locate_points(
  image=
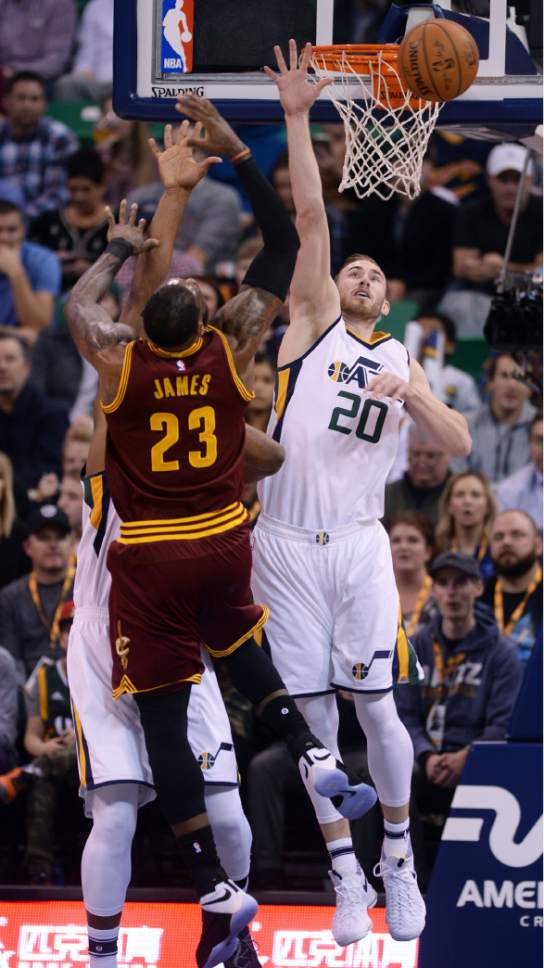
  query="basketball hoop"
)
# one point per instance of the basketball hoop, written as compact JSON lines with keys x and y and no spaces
{"x":387,"y":127}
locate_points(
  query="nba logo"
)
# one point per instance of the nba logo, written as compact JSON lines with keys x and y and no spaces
{"x":177,"y":36}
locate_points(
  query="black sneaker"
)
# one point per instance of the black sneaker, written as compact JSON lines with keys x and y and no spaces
{"x":225,"y":914}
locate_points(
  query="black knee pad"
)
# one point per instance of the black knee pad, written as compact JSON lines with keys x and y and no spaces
{"x":176,"y":774}
{"x":251,"y":672}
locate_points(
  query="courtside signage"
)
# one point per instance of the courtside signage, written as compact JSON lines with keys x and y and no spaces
{"x":52,"y":934}
{"x":487,"y":880}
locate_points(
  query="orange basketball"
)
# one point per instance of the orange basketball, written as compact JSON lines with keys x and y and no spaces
{"x":438,"y":60}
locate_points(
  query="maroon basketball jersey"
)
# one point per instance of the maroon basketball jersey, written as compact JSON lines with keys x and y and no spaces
{"x":176,"y":435}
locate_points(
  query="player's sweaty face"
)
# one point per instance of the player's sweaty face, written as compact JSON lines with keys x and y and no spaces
{"x":362,"y":288}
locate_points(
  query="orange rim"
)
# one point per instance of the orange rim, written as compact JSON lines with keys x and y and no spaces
{"x":379,"y":61}
{"x":358,"y":56}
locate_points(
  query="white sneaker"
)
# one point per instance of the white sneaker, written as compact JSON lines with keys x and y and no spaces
{"x":225,"y":914}
{"x":354,"y":895}
{"x":405,"y":907}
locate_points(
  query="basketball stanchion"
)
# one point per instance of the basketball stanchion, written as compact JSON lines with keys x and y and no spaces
{"x":387,"y":127}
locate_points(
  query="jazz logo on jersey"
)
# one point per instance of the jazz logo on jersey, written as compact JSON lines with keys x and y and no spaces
{"x":206,"y":761}
{"x":360,"y":372}
{"x":177,"y":36}
{"x":360,"y":671}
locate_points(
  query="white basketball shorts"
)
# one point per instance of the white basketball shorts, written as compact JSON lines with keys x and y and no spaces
{"x":110,"y":741}
{"x":333,"y":603}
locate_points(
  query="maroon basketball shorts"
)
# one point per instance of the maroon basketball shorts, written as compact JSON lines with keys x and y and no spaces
{"x":168,"y":598}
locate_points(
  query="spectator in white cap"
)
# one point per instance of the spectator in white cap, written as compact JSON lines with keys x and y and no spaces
{"x":481,"y":235}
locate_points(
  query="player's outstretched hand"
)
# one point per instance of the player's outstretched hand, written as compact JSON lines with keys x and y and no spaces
{"x":389,"y":385}
{"x":127,"y":227}
{"x":297,"y":91}
{"x":178,"y":167}
{"x":219,"y":137}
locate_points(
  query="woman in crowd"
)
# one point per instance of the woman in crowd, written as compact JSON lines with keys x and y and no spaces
{"x":13,"y":561}
{"x":411,"y":539}
{"x":260,"y":408}
{"x":467,"y":509}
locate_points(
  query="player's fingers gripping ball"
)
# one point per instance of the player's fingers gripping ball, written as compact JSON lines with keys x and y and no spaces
{"x":438,"y":60}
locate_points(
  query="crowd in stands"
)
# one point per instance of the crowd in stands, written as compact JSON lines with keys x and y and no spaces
{"x":465,"y":536}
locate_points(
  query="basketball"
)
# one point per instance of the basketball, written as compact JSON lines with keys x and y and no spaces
{"x":438,"y":60}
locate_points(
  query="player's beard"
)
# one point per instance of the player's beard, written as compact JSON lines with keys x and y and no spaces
{"x":367,"y":311}
{"x":515,"y":568}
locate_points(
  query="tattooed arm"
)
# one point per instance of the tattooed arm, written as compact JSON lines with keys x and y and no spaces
{"x":100,"y":340}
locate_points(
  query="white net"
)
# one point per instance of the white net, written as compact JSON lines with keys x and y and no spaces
{"x":387,"y":128}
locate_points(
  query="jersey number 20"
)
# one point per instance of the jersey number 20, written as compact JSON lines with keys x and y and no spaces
{"x":373,"y":412}
{"x":201,"y":419}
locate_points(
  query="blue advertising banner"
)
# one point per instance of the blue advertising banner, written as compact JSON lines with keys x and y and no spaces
{"x":484,"y":904}
{"x":177,"y":36}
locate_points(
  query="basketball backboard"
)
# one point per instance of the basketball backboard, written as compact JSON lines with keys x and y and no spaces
{"x":217,"y":48}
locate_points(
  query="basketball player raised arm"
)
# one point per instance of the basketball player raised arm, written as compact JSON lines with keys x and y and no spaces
{"x":245,"y":318}
{"x":317,"y":300}
{"x":100,"y":340}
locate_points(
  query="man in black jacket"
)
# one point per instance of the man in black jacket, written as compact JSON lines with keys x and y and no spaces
{"x":472,"y":677}
{"x":32,"y":428}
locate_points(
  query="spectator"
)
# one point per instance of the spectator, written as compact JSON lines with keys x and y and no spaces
{"x":500,"y":429}
{"x":523,"y":489}
{"x":50,"y":739}
{"x":515,"y":594}
{"x":124,"y":148}
{"x":29,"y":276}
{"x":13,"y":561}
{"x":58,"y":369}
{"x":92,"y":74}
{"x":36,"y":35}
{"x":481,"y":235}
{"x":9,"y":714}
{"x":75,"y":450}
{"x":411,"y":537}
{"x":260,"y":408}
{"x":210,"y":229}
{"x":78,"y":232}
{"x":31,"y":428}
{"x":467,"y":510}
{"x":411,"y":239}
{"x":33,"y":148}
{"x":213,"y":297}
{"x":453,"y":386}
{"x":30,"y":606}
{"x":71,"y":502}
{"x":421,"y":486}
{"x":472,"y":676}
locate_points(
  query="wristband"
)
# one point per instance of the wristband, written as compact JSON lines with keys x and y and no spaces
{"x":242,"y":155}
{"x":120,"y":248}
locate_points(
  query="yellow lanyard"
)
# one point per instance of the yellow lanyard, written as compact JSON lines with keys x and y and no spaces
{"x":53,"y":629}
{"x":498,"y":603}
{"x":418,"y":607}
{"x":443,"y":672}
{"x":482,"y":547}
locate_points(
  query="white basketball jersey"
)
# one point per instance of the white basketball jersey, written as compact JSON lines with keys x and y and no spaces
{"x":340,"y":443}
{"x":100,"y":527}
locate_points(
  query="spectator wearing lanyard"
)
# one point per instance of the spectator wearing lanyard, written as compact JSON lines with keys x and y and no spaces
{"x":515,"y":594}
{"x":467,"y":509}
{"x":411,"y":538}
{"x":50,"y":738}
{"x":523,"y":490}
{"x":472,"y":676}
{"x":31,"y":605}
